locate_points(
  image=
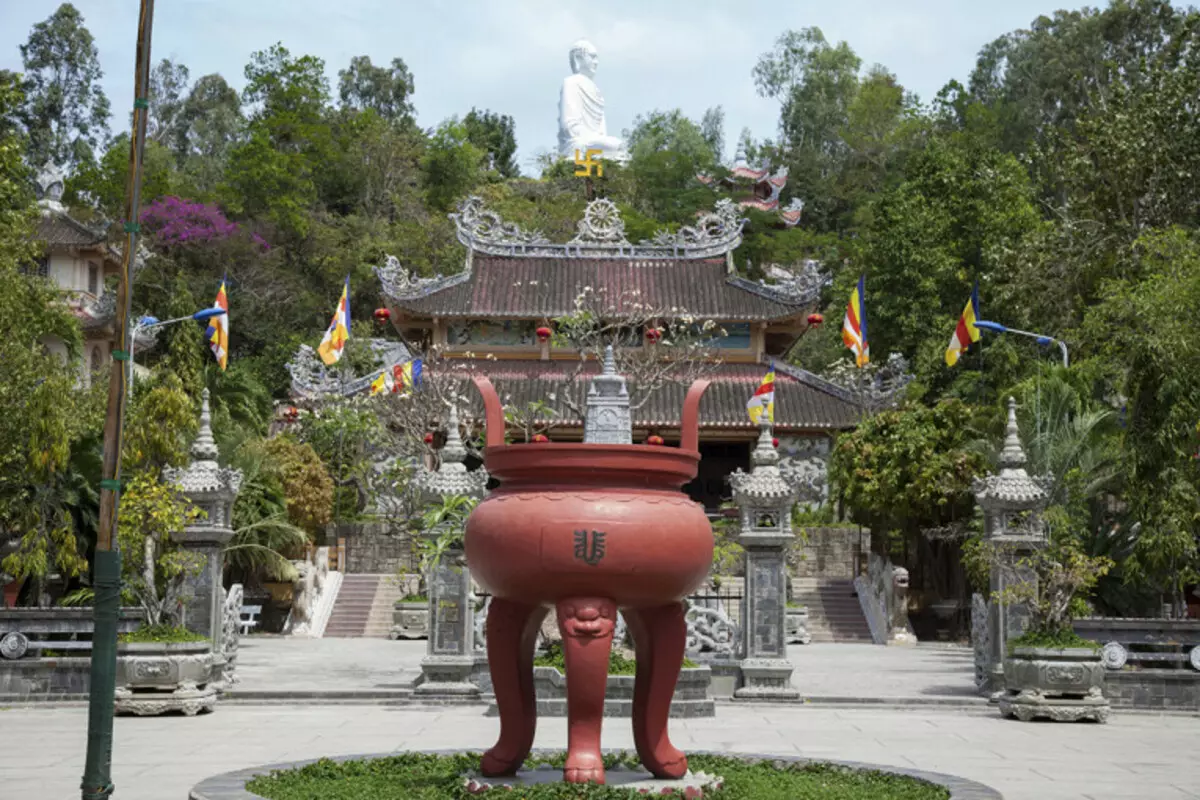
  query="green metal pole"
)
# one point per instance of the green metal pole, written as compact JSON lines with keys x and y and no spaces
{"x":97,"y":771}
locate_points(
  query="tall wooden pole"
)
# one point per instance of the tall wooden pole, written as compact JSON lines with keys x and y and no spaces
{"x":106,"y":579}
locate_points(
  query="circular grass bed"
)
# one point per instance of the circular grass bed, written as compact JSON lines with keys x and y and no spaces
{"x":423,"y":776}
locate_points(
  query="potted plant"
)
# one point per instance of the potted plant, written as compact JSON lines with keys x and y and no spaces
{"x":1050,"y":671}
{"x":440,"y":532}
{"x":161,"y":666}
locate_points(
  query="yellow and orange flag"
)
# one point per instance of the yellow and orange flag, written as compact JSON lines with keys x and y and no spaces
{"x":763,"y":400}
{"x":217,"y":333}
{"x":965,"y":332}
{"x":334,"y":343}
{"x":854,"y":326}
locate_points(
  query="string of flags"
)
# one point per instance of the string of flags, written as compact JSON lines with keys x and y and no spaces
{"x":401,"y":378}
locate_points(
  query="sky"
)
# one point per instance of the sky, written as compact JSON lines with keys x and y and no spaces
{"x":511,"y":57}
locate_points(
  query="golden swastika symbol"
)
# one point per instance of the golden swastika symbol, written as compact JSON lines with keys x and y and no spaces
{"x":583,"y":166}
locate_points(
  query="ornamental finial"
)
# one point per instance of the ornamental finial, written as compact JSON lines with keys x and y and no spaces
{"x":205,"y":447}
{"x":765,"y":454}
{"x":1013,"y":455}
{"x":454,"y":452}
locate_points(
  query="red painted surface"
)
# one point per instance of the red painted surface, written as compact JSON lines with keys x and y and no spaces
{"x":587,"y":529}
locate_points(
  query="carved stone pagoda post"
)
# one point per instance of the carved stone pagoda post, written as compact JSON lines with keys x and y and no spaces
{"x":1012,"y":503}
{"x":212,"y":489}
{"x":765,"y":499}
{"x":450,"y":650}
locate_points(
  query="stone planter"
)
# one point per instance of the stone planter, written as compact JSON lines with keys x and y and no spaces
{"x":410,"y":620}
{"x":1064,"y":685}
{"x":691,"y":698}
{"x":796,"y":625}
{"x":154,"y":678}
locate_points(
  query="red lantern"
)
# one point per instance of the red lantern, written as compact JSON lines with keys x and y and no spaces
{"x":292,"y":412}
{"x":540,"y":437}
{"x":382,"y":315}
{"x":543,"y":334}
{"x":429,"y":439}
{"x":657,"y":440}
{"x":815,"y":320}
{"x":775,"y":443}
{"x":653,"y":335}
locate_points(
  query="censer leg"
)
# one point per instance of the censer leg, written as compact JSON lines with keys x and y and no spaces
{"x":659,"y":637}
{"x":512,"y":630}
{"x":587,"y":625}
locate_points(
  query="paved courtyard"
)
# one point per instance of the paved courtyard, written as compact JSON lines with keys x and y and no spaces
{"x":1134,"y":756}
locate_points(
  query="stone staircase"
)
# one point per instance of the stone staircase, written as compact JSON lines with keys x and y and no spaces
{"x":834,"y":612}
{"x":358,"y":611}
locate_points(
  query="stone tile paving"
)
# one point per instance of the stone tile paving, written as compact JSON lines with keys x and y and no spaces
{"x":1134,"y":756}
{"x":863,"y":671}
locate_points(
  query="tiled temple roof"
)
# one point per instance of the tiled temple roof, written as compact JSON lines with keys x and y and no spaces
{"x":57,"y":229}
{"x":803,"y":401}
{"x":500,"y":286}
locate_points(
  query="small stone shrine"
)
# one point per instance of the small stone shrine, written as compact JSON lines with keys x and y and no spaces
{"x":607,"y":420}
{"x":450,"y":650}
{"x":213,"y":489}
{"x":765,"y":498}
{"x":1012,"y":504}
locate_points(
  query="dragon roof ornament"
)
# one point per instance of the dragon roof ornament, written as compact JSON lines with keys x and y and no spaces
{"x":601,"y":234}
{"x":400,"y":282}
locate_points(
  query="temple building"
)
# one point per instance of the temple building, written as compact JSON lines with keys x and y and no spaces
{"x":756,"y":187}
{"x":78,"y":258}
{"x":496,"y":314}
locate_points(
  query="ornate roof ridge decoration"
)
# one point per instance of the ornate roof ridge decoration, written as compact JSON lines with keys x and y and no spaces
{"x":800,"y":288}
{"x":1012,"y":487}
{"x":601,"y":234}
{"x":204,"y":477}
{"x":452,"y":477}
{"x":399,"y":282}
{"x":873,"y":386}
{"x":311,"y":379}
{"x":818,"y":382}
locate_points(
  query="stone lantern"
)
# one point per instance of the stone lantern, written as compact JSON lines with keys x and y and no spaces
{"x":212,"y":489}
{"x":765,"y":498}
{"x":450,"y":649}
{"x":1012,"y":504}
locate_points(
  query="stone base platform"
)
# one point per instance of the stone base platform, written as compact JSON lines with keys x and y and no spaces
{"x":619,"y":777}
{"x":691,"y":699}
{"x":187,"y":699}
{"x":1027,"y":706}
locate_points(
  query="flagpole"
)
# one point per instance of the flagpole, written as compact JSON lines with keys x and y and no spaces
{"x":96,"y":783}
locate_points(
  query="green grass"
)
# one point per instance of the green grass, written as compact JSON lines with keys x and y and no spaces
{"x":161,"y":634}
{"x":416,"y":776}
{"x":1055,"y":640}
{"x":414,"y":598}
{"x":617,"y":663}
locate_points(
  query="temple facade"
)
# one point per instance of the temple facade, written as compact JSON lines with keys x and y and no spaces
{"x":495,"y":315}
{"x":78,"y":259}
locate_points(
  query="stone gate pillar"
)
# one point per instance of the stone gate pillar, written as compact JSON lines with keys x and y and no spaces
{"x":1012,"y":504}
{"x":212,"y":489}
{"x":765,"y":499}
{"x":450,"y":650}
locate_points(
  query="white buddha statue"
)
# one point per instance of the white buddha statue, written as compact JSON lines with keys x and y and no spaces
{"x":581,"y":109}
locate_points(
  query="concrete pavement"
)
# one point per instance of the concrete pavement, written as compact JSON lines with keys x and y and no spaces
{"x":1134,"y":756}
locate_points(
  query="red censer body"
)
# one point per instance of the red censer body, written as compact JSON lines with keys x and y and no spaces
{"x":583,"y":530}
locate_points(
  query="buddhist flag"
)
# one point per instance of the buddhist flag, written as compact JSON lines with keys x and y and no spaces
{"x":407,"y":376}
{"x":763,"y":399}
{"x":854,"y":326}
{"x":339,"y":330}
{"x":218,"y":329}
{"x":384,"y":382}
{"x":965,"y":332}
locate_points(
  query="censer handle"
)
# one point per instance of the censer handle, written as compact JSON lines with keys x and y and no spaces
{"x":689,"y":424}
{"x":493,"y":411}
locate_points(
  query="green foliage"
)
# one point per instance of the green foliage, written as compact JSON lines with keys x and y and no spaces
{"x":494,"y":135}
{"x":452,"y":165}
{"x":161,"y":634}
{"x":907,"y":469}
{"x":307,"y":487}
{"x":161,"y":425}
{"x":618,"y":664}
{"x":1051,"y":640}
{"x":343,"y":435}
{"x":66,"y":112}
{"x":419,"y":776}
{"x":386,"y":91}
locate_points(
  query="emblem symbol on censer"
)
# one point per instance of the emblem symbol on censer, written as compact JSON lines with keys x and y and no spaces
{"x":589,"y":555}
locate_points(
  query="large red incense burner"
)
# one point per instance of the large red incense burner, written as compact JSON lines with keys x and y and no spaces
{"x":587,"y":529}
